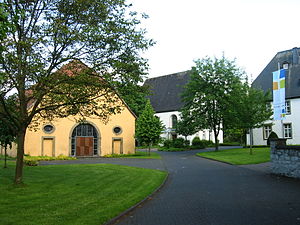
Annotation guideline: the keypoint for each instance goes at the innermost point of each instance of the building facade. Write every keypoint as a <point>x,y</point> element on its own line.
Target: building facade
<point>92,137</point>
<point>165,98</point>
<point>289,127</point>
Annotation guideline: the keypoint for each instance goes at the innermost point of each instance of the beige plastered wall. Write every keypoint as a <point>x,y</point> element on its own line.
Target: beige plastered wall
<point>64,127</point>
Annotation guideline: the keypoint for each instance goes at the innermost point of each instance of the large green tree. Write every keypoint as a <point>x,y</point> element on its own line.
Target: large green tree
<point>148,127</point>
<point>207,95</point>
<point>44,35</point>
<point>249,109</point>
<point>186,126</point>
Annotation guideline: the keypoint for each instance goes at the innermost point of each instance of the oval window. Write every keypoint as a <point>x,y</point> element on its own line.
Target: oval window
<point>48,128</point>
<point>117,130</point>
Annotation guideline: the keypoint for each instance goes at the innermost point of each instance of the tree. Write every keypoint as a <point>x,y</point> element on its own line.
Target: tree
<point>7,137</point>
<point>43,36</point>
<point>207,94</point>
<point>185,125</point>
<point>148,127</point>
<point>249,109</point>
<point>134,95</point>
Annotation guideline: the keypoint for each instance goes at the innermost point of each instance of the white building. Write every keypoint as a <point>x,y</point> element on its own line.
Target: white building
<point>166,101</point>
<point>289,127</point>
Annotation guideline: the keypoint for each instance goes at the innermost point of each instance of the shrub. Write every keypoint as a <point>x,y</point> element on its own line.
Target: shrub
<point>178,143</point>
<point>167,143</point>
<point>272,135</point>
<point>186,143</point>
<point>30,162</point>
<point>197,143</point>
<point>230,144</point>
<point>207,143</point>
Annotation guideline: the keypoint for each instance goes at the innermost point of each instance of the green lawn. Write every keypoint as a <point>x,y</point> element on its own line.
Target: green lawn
<point>73,194</point>
<point>239,156</point>
<point>138,154</point>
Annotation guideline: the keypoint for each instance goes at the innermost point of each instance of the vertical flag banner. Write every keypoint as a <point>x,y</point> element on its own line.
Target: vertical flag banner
<point>279,94</point>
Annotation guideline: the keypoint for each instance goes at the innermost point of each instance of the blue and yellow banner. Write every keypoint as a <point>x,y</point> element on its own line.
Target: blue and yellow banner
<point>279,94</point>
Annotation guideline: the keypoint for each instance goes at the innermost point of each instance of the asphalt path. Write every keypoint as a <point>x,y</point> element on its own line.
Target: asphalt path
<point>205,192</point>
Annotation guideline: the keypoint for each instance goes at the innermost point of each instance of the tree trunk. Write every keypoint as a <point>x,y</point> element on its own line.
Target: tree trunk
<point>216,140</point>
<point>20,156</point>
<point>251,141</point>
<point>5,154</point>
<point>149,148</point>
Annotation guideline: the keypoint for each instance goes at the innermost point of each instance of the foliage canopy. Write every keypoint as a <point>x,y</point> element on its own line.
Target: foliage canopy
<point>42,36</point>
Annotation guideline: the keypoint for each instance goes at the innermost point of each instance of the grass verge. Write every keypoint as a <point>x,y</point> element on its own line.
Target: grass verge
<point>73,194</point>
<point>138,155</point>
<point>239,156</point>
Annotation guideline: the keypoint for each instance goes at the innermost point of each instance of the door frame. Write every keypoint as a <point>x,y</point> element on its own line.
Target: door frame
<point>121,147</point>
<point>53,146</point>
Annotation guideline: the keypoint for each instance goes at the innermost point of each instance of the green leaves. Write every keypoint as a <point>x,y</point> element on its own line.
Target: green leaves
<point>207,96</point>
<point>148,126</point>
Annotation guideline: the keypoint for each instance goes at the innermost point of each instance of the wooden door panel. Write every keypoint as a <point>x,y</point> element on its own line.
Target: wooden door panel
<point>84,146</point>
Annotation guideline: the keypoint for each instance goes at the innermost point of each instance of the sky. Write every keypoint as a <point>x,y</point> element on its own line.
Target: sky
<point>250,31</point>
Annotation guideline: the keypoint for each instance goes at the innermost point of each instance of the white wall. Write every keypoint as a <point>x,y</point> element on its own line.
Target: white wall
<point>166,118</point>
<point>293,118</point>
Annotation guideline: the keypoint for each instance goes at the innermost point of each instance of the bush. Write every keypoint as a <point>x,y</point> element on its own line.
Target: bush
<point>230,144</point>
<point>207,143</point>
<point>30,162</point>
<point>168,143</point>
<point>49,158</point>
<point>186,143</point>
<point>178,143</point>
<point>272,135</point>
<point>197,143</point>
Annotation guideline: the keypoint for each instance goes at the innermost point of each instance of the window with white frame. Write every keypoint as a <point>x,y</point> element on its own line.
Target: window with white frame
<point>267,129</point>
<point>287,129</point>
<point>287,107</point>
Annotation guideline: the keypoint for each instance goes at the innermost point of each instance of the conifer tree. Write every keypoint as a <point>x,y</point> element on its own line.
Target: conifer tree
<point>148,127</point>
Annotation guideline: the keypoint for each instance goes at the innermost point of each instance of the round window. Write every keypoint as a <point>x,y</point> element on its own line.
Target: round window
<point>117,130</point>
<point>48,128</point>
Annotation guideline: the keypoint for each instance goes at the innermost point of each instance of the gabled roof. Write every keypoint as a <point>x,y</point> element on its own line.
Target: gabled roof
<point>166,91</point>
<point>265,79</point>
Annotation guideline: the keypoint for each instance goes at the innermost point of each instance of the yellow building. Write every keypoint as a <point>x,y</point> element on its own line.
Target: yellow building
<point>91,138</point>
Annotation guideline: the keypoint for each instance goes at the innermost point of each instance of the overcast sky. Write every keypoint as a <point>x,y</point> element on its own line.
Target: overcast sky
<point>252,31</point>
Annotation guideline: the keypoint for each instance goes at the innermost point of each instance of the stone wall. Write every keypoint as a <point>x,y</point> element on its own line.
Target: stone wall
<point>285,160</point>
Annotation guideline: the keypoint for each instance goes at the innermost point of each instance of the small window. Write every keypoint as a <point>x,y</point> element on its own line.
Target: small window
<point>117,130</point>
<point>174,121</point>
<point>48,128</point>
<point>267,130</point>
<point>287,130</point>
<point>287,107</point>
<point>285,65</point>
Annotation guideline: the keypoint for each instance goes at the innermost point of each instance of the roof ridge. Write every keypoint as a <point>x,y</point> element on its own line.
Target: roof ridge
<point>172,74</point>
<point>288,50</point>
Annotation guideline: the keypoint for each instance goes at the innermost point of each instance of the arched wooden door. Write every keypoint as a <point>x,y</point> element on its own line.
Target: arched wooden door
<point>85,140</point>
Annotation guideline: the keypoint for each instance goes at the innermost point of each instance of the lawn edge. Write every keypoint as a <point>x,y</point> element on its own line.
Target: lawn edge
<point>132,208</point>
<point>216,160</point>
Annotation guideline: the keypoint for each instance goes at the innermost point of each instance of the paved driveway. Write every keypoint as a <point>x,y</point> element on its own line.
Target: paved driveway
<point>205,192</point>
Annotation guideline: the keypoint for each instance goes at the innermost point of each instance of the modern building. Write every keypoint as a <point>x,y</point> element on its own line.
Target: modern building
<point>289,127</point>
<point>166,101</point>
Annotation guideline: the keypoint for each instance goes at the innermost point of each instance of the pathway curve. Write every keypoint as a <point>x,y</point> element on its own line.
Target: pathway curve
<point>205,192</point>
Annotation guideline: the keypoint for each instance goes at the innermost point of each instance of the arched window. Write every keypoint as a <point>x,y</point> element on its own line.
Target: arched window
<point>174,121</point>
<point>84,130</point>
